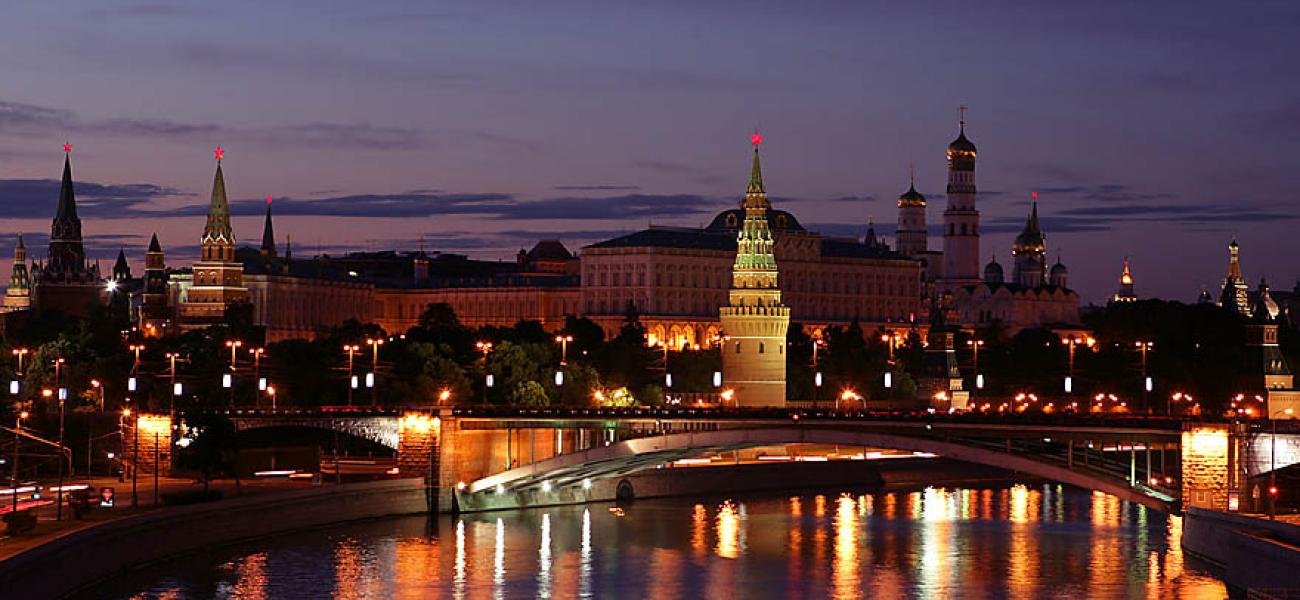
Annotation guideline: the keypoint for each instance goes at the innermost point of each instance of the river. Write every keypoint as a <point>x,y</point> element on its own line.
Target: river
<point>1021,541</point>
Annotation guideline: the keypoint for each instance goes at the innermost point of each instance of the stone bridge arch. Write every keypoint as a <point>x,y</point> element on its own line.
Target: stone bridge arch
<point>380,429</point>
<point>566,478</point>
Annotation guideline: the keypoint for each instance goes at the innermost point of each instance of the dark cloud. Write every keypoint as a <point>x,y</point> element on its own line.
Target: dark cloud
<point>1108,192</point>
<point>37,198</point>
<point>27,119</point>
<point>97,246</point>
<point>371,205</point>
<point>681,170</point>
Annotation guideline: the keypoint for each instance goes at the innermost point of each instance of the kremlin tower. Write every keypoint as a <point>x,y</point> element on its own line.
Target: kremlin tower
<point>218,278</point>
<point>754,323</point>
<point>961,236</point>
<point>1235,294</point>
<point>19,294</point>
<point>66,282</point>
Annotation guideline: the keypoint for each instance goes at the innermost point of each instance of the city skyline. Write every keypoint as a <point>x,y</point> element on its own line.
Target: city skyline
<point>654,128</point>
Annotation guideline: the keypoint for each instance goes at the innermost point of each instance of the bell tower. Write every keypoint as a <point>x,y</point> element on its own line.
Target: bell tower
<point>755,322</point>
<point>961,221</point>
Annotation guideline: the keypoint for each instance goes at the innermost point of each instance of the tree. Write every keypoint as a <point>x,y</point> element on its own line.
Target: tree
<point>213,447</point>
<point>529,393</point>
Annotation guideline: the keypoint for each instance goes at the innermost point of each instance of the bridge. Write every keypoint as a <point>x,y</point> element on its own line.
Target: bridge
<point>497,458</point>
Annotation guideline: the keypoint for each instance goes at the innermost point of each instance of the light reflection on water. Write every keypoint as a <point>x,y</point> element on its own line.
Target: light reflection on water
<point>1020,542</point>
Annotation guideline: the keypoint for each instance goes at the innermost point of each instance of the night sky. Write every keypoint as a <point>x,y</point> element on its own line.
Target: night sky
<point>1152,129</point>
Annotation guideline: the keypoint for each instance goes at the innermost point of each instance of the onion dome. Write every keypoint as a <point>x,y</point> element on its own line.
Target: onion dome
<point>961,144</point>
<point>1059,270</point>
<point>993,272</point>
<point>911,198</point>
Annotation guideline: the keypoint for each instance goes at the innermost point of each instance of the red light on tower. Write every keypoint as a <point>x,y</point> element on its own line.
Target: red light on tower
<point>219,152</point>
<point>67,147</point>
<point>1034,195</point>
<point>756,139</point>
<point>268,199</point>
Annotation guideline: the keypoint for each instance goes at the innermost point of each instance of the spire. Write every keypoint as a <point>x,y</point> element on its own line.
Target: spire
<point>1234,260</point>
<point>288,247</point>
<point>1127,277</point>
<point>20,248</point>
<point>67,198</point>
<point>871,241</point>
<point>154,246</point>
<point>268,233</point>
<point>218,226</point>
<point>756,172</point>
<point>121,270</point>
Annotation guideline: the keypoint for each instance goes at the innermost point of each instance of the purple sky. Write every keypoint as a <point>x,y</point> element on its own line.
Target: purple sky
<point>1151,129</point>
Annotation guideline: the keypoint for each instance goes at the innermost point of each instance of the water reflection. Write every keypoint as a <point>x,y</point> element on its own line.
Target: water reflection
<point>1022,541</point>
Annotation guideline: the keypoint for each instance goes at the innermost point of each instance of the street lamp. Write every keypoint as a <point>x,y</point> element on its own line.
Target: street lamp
<point>374,368</point>
<point>19,353</point>
<point>1272,469</point>
<point>1070,342</point>
<point>171,407</point>
<point>13,480</point>
<point>485,348</point>
<point>975,346</point>
<point>563,341</point>
<point>257,374</point>
<point>351,349</point>
<point>1144,347</point>
<point>234,345</point>
<point>891,339</point>
<point>136,348</point>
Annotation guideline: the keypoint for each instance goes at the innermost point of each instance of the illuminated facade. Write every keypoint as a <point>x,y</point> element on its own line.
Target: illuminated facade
<point>754,321</point>
<point>217,280</point>
<point>18,296</point>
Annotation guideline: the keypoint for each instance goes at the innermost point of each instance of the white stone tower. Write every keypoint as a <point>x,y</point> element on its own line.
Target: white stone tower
<point>910,236</point>
<point>961,221</point>
<point>755,322</point>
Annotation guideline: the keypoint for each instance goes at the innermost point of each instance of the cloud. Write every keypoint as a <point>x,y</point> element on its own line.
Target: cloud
<point>410,205</point>
<point>32,120</point>
<point>98,246</point>
<point>680,170</point>
<point>38,198</point>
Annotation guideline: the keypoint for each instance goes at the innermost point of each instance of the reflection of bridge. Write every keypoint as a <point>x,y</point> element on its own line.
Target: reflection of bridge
<point>502,458</point>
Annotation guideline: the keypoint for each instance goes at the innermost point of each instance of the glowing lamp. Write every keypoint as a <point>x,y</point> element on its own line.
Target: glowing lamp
<point>979,382</point>
<point>261,384</point>
<point>370,380</point>
<point>178,388</point>
<point>355,382</point>
<point>889,380</point>
<point>817,379</point>
<point>130,384</point>
<point>227,381</point>
<point>717,379</point>
<point>13,387</point>
<point>668,380</point>
<point>559,378</point>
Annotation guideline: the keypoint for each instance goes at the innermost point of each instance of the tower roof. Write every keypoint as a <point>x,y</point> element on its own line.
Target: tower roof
<point>962,144</point>
<point>756,176</point>
<point>911,197</point>
<point>218,225</point>
<point>20,245</point>
<point>1032,236</point>
<point>67,198</point>
<point>154,246</point>
<point>1059,268</point>
<point>268,232</point>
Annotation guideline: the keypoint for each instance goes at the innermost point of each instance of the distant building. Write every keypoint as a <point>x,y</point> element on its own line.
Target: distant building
<point>1126,291</point>
<point>1235,294</point>
<point>19,294</point>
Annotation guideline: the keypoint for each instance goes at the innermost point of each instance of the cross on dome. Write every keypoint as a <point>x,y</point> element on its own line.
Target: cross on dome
<point>220,153</point>
<point>756,139</point>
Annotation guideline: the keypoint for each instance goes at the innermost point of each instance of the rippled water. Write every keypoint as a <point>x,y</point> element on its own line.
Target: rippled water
<point>1044,541</point>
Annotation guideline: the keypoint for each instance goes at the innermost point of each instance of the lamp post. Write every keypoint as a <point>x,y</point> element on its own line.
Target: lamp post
<point>975,346</point>
<point>563,341</point>
<point>890,339</point>
<point>485,348</point>
<point>63,396</point>
<point>171,373</point>
<point>136,348</point>
<point>95,383</point>
<point>19,353</point>
<point>257,374</point>
<point>234,346</point>
<point>374,369</point>
<point>13,479</point>
<point>1272,468</point>
<point>1070,343</point>
<point>351,349</point>
<point>1144,347</point>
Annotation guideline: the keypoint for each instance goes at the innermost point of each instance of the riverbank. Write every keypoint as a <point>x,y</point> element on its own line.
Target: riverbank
<point>1249,551</point>
<point>108,549</point>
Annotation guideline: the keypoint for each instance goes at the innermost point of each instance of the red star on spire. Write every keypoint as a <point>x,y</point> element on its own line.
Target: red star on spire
<point>756,139</point>
<point>1034,195</point>
<point>268,199</point>
<point>67,147</point>
<point>220,153</point>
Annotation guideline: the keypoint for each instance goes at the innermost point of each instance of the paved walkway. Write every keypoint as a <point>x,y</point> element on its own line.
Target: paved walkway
<point>48,528</point>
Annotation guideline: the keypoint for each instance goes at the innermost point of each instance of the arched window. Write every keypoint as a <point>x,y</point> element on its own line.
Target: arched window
<point>761,347</point>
